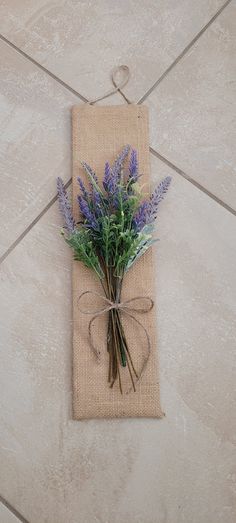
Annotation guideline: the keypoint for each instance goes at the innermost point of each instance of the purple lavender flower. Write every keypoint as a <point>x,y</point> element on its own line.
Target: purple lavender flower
<point>106,178</point>
<point>133,165</point>
<point>64,206</point>
<point>140,218</point>
<point>109,180</point>
<point>89,216</point>
<point>156,197</point>
<point>97,202</point>
<point>115,191</point>
<point>112,174</point>
<point>82,188</point>
<point>147,211</point>
<point>118,164</point>
<point>90,171</point>
<point>120,196</point>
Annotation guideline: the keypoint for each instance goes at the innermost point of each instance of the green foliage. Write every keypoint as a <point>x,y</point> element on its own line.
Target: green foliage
<point>115,241</point>
<point>142,245</point>
<point>113,232</point>
<point>83,248</point>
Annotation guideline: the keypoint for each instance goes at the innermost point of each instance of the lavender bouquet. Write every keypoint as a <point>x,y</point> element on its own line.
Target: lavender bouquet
<point>116,229</point>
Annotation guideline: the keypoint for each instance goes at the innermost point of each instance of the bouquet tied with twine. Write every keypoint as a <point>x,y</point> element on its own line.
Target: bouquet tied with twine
<point>116,229</point>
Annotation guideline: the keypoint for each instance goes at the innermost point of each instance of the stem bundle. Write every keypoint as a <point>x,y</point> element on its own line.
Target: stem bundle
<point>117,346</point>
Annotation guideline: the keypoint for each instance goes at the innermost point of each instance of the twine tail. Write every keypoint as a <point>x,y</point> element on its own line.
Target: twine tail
<point>126,307</point>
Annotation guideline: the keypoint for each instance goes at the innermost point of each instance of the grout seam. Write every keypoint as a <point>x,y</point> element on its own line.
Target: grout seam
<point>183,53</point>
<point>192,181</point>
<point>13,510</point>
<point>155,153</point>
<point>44,69</point>
<point>83,98</point>
<point>31,225</point>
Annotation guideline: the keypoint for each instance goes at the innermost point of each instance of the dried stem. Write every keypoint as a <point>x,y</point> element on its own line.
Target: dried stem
<point>117,346</point>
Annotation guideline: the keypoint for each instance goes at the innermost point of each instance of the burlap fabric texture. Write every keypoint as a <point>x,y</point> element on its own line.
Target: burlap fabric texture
<point>99,133</point>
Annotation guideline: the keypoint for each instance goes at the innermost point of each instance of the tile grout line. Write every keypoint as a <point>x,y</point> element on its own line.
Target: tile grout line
<point>192,181</point>
<point>49,73</point>
<point>44,69</point>
<point>13,510</point>
<point>155,153</point>
<point>31,225</point>
<point>83,98</point>
<point>183,53</point>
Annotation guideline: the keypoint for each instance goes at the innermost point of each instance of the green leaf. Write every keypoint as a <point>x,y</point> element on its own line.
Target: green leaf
<point>84,251</point>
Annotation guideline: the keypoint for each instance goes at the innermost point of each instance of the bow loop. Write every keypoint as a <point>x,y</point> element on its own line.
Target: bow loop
<point>138,304</point>
<point>98,310</point>
<point>141,304</point>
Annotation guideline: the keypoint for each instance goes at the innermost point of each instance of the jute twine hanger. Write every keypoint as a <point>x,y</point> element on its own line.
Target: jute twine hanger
<point>124,69</point>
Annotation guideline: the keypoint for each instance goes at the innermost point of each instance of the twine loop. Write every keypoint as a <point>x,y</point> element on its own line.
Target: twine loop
<point>124,69</point>
<point>128,307</point>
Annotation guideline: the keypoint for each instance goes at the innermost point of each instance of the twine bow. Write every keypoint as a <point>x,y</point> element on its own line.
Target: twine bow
<point>125,307</point>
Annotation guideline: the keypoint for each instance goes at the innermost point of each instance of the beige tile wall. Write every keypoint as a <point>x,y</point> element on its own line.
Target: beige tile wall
<point>180,469</point>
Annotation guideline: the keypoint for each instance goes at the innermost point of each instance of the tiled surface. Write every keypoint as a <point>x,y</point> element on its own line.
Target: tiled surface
<point>193,110</point>
<point>81,41</point>
<point>35,143</point>
<point>180,469</point>
<point>6,516</point>
<point>53,468</point>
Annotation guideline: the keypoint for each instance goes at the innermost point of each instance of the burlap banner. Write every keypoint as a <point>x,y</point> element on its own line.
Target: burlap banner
<point>99,133</point>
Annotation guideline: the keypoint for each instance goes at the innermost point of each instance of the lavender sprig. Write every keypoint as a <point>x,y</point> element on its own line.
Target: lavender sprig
<point>148,209</point>
<point>140,218</point>
<point>65,206</point>
<point>109,180</point>
<point>92,176</point>
<point>89,216</point>
<point>112,174</point>
<point>90,171</point>
<point>156,197</point>
<point>82,188</point>
<point>118,164</point>
<point>97,203</point>
<point>133,165</point>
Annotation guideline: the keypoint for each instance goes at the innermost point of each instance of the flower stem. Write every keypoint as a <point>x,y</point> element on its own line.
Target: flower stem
<point>117,346</point>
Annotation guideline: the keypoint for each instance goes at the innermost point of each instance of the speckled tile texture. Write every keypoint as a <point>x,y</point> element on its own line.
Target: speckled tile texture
<point>182,468</point>
<point>193,119</point>
<point>6,516</point>
<point>80,41</point>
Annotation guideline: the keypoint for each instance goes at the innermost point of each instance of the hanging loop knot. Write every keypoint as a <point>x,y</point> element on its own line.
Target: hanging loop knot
<point>138,304</point>
<point>122,70</point>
